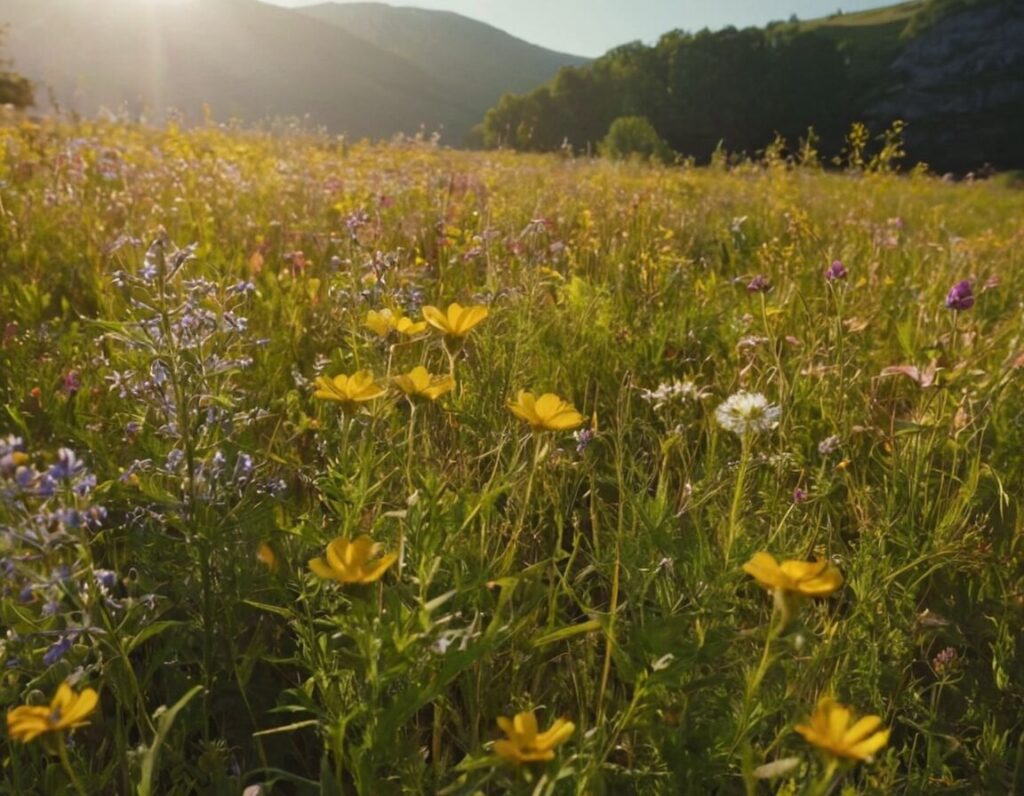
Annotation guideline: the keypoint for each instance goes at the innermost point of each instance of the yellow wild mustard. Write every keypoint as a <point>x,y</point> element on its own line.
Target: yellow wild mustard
<point>831,729</point>
<point>418,383</point>
<point>457,321</point>
<point>349,561</point>
<point>349,391</point>
<point>66,711</point>
<point>546,413</point>
<point>523,744</point>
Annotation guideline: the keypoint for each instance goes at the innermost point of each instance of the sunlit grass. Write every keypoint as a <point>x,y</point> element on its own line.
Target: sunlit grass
<point>393,469</point>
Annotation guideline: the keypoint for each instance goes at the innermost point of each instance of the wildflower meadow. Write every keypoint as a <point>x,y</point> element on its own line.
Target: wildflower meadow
<point>339,468</point>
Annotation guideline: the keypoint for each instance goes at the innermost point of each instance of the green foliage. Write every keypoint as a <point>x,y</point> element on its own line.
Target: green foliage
<point>634,136</point>
<point>731,86</point>
<point>15,89</point>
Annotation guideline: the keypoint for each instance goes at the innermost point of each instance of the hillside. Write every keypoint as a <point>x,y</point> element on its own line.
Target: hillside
<point>953,70</point>
<point>475,62</point>
<point>252,60</point>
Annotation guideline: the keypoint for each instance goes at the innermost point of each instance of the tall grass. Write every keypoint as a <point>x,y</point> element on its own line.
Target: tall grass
<point>169,297</point>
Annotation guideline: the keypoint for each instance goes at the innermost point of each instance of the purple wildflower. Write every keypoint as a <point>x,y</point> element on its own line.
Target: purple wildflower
<point>583,438</point>
<point>836,271</point>
<point>799,495</point>
<point>960,296</point>
<point>106,578</point>
<point>57,651</point>
<point>759,284</point>
<point>72,382</point>
<point>67,467</point>
<point>946,659</point>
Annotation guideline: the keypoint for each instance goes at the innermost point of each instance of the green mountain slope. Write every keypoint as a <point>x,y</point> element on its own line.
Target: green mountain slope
<point>251,60</point>
<point>242,57</point>
<point>476,62</point>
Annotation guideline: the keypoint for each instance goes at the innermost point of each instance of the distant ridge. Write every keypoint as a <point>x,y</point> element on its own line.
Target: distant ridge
<point>253,61</point>
<point>474,61</point>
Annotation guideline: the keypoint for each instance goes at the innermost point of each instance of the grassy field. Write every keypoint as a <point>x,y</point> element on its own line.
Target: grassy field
<point>186,484</point>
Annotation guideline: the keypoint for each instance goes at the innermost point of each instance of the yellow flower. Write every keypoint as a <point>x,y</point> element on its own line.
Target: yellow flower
<point>802,578</point>
<point>547,413</point>
<point>349,391</point>
<point>458,321</point>
<point>348,561</point>
<point>833,730</point>
<point>418,383</point>
<point>524,744</point>
<point>386,321</point>
<point>408,326</point>
<point>67,711</point>
<point>379,322</point>
<point>265,555</point>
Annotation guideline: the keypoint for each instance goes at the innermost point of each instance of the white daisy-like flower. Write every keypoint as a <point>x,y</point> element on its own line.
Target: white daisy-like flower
<point>747,412</point>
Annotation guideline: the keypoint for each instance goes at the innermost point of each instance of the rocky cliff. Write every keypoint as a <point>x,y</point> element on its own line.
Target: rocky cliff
<point>959,85</point>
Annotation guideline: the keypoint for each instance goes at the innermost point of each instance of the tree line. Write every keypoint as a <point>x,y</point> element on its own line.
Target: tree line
<point>735,88</point>
<point>738,90</point>
<point>14,89</point>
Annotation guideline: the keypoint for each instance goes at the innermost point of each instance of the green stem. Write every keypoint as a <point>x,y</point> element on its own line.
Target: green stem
<point>737,497</point>
<point>775,625</point>
<point>824,785</point>
<point>192,525</point>
<point>65,763</point>
<point>409,448</point>
<point>517,531</point>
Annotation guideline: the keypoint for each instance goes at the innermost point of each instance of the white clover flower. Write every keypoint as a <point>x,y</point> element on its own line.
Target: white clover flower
<point>747,412</point>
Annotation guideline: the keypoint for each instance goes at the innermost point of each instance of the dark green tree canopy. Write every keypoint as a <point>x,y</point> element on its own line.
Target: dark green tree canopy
<point>739,87</point>
<point>634,136</point>
<point>14,89</point>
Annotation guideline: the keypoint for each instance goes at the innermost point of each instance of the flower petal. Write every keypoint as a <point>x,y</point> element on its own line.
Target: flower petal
<point>373,572</point>
<point>468,317</point>
<point>870,745</point>
<point>765,570</point>
<point>435,318</point>
<point>321,568</point>
<point>557,734</point>
<point>507,750</point>
<point>525,724</point>
<point>505,725</point>
<point>82,706</point>
<point>862,729</point>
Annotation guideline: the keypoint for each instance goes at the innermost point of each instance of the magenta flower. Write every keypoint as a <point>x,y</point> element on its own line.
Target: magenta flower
<point>960,296</point>
<point>836,271</point>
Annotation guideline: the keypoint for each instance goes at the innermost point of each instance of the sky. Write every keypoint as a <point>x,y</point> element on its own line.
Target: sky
<point>592,27</point>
